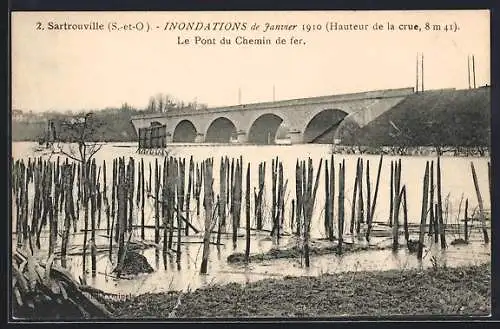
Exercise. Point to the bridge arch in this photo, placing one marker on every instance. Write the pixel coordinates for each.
(220, 131)
(185, 131)
(263, 130)
(322, 127)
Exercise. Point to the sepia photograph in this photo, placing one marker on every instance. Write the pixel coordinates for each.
(250, 165)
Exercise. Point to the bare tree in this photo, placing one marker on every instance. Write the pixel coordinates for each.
(151, 105)
(162, 103)
(82, 135)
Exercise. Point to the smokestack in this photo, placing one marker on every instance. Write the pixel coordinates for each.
(416, 75)
(468, 69)
(274, 94)
(473, 72)
(422, 63)
(239, 96)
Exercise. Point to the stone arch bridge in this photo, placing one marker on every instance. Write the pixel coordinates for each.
(305, 120)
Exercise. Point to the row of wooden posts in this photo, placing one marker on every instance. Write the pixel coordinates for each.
(54, 195)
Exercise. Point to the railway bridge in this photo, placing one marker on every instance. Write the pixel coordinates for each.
(305, 120)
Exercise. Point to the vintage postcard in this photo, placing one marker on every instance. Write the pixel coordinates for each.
(248, 165)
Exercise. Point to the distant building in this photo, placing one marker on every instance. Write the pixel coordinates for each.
(17, 114)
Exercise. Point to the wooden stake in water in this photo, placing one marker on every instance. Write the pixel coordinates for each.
(279, 201)
(274, 178)
(396, 205)
(354, 196)
(309, 205)
(197, 189)
(79, 198)
(368, 192)
(142, 200)
(181, 184)
(405, 213)
(180, 203)
(171, 173)
(219, 221)
(306, 204)
(207, 167)
(332, 197)
(480, 203)
(130, 188)
(231, 209)
(341, 204)
(24, 204)
(93, 209)
(188, 196)
(304, 189)
(262, 180)
(68, 186)
(113, 196)
(157, 210)
(44, 202)
(122, 205)
(423, 214)
(298, 195)
(37, 187)
(139, 185)
(98, 201)
(50, 210)
(433, 224)
(466, 216)
(372, 211)
(328, 203)
(222, 193)
(391, 204)
(237, 195)
(113, 204)
(228, 180)
(86, 196)
(106, 201)
(150, 182)
(247, 211)
(57, 195)
(260, 194)
(440, 204)
(361, 206)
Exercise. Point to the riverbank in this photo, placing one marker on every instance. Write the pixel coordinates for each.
(435, 291)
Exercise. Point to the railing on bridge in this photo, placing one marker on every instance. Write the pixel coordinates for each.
(153, 139)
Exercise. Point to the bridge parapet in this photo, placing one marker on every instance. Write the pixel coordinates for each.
(386, 93)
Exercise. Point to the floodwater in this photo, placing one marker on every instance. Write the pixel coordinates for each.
(457, 186)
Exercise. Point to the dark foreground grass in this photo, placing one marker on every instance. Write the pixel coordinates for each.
(435, 291)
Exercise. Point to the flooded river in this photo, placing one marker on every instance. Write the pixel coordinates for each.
(457, 186)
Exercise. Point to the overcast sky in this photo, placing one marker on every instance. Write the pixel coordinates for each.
(74, 70)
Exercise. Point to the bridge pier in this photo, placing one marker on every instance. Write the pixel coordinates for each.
(242, 137)
(200, 138)
(169, 138)
(296, 137)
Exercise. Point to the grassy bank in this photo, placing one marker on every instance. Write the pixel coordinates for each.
(436, 291)
(435, 117)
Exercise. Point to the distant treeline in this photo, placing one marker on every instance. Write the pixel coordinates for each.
(114, 124)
